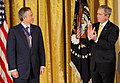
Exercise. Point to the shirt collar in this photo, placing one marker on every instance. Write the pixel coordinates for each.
(103, 24)
(24, 25)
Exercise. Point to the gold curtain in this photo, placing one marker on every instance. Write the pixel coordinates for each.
(55, 18)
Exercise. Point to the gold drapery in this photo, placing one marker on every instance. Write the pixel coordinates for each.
(55, 18)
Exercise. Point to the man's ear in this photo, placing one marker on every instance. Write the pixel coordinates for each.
(23, 17)
(107, 16)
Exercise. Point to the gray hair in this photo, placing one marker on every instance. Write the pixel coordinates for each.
(107, 9)
(22, 11)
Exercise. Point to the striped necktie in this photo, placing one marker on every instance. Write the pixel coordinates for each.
(29, 38)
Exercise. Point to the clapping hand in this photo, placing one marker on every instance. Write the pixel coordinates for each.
(91, 32)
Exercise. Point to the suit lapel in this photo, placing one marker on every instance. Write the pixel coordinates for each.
(23, 36)
(106, 27)
(33, 35)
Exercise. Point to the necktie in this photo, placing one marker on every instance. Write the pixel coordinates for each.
(29, 37)
(27, 28)
(99, 30)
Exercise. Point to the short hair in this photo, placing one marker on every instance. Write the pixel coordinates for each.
(107, 9)
(22, 11)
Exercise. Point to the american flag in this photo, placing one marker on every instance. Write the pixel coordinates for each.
(80, 51)
(4, 74)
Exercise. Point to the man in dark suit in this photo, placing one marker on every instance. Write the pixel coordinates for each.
(119, 62)
(103, 58)
(25, 49)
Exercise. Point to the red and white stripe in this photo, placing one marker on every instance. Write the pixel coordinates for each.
(78, 34)
(5, 76)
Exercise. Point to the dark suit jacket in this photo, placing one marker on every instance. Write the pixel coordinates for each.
(20, 55)
(119, 62)
(103, 52)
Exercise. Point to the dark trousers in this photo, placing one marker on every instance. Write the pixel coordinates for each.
(102, 76)
(30, 80)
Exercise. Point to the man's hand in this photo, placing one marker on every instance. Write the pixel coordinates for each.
(91, 32)
(15, 74)
(41, 71)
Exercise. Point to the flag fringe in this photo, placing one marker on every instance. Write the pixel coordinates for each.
(77, 73)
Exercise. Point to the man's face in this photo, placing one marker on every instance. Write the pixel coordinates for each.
(28, 17)
(101, 17)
